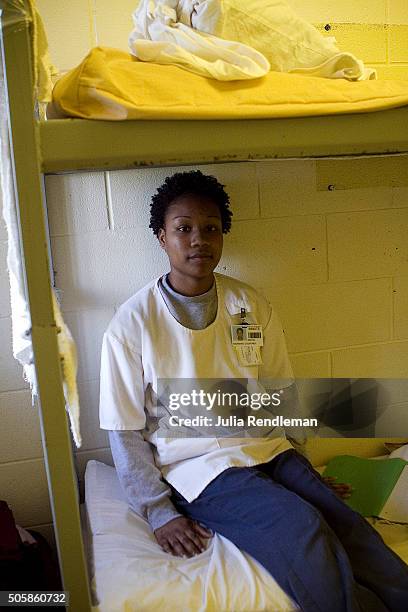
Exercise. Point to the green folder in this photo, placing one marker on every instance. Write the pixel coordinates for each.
(373, 480)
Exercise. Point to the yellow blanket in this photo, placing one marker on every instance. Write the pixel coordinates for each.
(111, 84)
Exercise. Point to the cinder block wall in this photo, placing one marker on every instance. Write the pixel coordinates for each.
(374, 30)
(332, 261)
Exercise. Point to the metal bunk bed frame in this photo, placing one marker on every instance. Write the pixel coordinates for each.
(41, 147)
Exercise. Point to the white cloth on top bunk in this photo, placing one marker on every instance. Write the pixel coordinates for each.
(159, 37)
(231, 40)
(20, 312)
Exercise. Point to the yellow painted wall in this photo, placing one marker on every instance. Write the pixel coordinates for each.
(374, 30)
(331, 253)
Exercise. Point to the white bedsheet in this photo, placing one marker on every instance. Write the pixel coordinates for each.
(133, 573)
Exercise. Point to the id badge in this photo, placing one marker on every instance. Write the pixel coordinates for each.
(248, 354)
(246, 334)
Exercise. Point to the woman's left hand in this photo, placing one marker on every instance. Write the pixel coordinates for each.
(342, 489)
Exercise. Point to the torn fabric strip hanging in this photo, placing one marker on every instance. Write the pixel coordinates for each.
(20, 312)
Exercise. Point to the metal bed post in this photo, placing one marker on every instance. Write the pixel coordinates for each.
(23, 129)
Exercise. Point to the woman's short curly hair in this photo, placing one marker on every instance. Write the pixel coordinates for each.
(182, 183)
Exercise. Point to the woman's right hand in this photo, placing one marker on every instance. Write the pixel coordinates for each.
(182, 537)
(343, 489)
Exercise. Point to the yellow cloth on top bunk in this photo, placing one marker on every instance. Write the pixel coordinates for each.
(111, 84)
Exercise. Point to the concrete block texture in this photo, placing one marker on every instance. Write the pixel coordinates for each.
(20, 427)
(362, 172)
(288, 187)
(76, 203)
(368, 41)
(311, 365)
(400, 295)
(106, 269)
(393, 71)
(400, 197)
(92, 436)
(131, 191)
(368, 244)
(284, 250)
(377, 361)
(24, 487)
(334, 314)
(87, 328)
(398, 43)
(11, 372)
(364, 11)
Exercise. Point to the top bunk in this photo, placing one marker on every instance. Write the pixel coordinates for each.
(160, 139)
(82, 144)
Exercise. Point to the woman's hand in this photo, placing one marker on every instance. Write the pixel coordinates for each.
(342, 489)
(182, 537)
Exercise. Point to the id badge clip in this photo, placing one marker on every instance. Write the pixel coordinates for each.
(243, 315)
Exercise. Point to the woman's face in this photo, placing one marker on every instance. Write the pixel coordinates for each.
(192, 236)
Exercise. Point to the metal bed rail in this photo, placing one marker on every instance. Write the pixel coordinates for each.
(24, 137)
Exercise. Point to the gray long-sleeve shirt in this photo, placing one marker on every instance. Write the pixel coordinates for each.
(146, 491)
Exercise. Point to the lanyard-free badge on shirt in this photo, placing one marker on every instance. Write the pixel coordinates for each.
(247, 338)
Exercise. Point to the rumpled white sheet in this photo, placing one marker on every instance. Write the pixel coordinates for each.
(160, 37)
(232, 40)
(132, 572)
(20, 313)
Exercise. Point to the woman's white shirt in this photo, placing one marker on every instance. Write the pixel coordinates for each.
(145, 344)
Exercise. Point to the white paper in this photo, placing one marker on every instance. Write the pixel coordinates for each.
(396, 506)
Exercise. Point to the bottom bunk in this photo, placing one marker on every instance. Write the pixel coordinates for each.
(131, 572)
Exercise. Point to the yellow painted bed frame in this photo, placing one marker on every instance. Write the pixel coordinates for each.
(60, 145)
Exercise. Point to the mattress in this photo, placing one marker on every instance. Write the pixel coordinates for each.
(111, 84)
(132, 573)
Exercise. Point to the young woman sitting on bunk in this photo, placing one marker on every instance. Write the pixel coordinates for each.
(260, 493)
